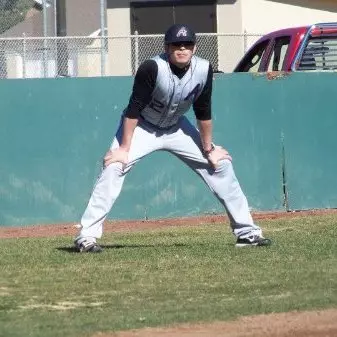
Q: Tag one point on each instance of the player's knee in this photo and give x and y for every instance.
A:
(115, 168)
(223, 166)
(224, 163)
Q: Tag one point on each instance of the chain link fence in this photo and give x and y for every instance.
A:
(29, 57)
(52, 57)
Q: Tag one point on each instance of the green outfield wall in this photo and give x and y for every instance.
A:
(281, 133)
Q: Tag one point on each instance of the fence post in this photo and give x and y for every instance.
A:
(3, 61)
(54, 54)
(62, 54)
(102, 37)
(24, 56)
(245, 41)
(136, 50)
(44, 38)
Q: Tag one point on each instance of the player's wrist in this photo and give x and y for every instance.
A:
(125, 148)
(209, 150)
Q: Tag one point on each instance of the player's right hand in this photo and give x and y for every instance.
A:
(115, 156)
(219, 153)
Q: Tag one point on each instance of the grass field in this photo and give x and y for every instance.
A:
(162, 277)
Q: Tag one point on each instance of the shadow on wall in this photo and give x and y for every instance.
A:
(226, 2)
(126, 4)
(117, 4)
(325, 5)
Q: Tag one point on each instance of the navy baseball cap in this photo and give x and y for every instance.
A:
(179, 33)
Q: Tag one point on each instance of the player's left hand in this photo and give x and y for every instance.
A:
(115, 156)
(219, 153)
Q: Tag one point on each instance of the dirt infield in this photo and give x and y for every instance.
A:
(292, 324)
(47, 230)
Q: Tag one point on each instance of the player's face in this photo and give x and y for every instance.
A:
(180, 53)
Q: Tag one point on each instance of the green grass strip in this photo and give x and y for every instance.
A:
(164, 277)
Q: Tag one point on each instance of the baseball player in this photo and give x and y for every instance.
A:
(164, 89)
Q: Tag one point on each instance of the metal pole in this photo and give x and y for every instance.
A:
(55, 34)
(45, 35)
(102, 37)
(55, 18)
(62, 44)
(136, 50)
(245, 42)
(24, 56)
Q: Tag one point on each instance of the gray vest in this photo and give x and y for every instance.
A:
(172, 97)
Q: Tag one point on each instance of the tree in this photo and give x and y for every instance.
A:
(12, 12)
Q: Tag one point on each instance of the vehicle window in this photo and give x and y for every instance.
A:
(279, 52)
(320, 53)
(252, 60)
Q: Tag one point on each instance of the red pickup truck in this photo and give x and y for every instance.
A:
(293, 49)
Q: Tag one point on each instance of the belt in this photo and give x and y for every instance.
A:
(156, 126)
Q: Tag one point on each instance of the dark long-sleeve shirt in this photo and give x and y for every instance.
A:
(144, 84)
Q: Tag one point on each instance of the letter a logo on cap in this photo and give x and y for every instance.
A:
(182, 32)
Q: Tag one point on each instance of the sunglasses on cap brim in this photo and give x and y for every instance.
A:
(183, 43)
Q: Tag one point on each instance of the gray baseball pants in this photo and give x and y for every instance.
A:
(182, 140)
